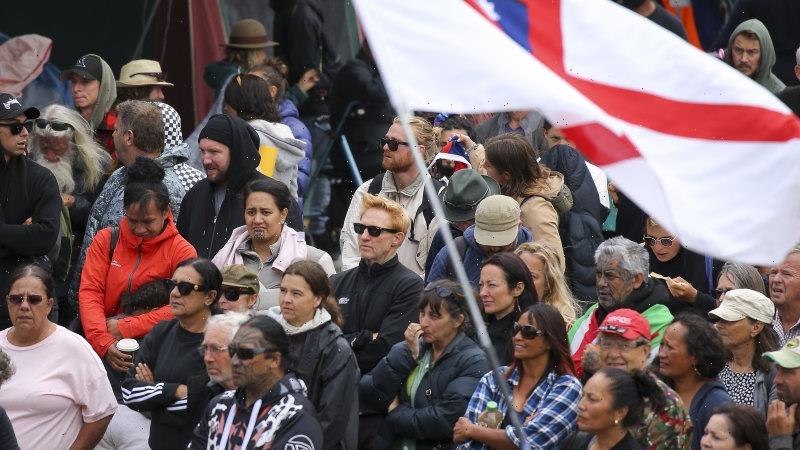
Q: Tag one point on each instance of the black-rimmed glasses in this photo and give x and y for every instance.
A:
(373, 230)
(184, 287)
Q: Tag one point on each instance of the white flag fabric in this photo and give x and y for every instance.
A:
(703, 149)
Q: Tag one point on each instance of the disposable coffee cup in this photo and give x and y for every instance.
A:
(128, 346)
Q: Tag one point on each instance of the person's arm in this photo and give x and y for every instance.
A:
(139, 325)
(384, 382)
(90, 434)
(347, 238)
(92, 293)
(8, 440)
(39, 237)
(485, 392)
(147, 395)
(436, 421)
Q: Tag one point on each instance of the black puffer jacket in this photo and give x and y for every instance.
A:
(441, 398)
(580, 227)
(198, 222)
(382, 299)
(329, 369)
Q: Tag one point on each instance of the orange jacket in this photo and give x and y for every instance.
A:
(136, 261)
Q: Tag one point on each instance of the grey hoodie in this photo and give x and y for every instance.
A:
(763, 75)
(290, 151)
(106, 96)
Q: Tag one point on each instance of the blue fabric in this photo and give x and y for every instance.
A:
(473, 258)
(291, 118)
(549, 414)
(707, 399)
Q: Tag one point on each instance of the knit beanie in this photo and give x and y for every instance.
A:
(218, 128)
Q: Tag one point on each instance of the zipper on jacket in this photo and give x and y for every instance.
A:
(136, 266)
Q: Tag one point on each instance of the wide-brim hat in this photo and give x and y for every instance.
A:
(464, 192)
(142, 72)
(249, 33)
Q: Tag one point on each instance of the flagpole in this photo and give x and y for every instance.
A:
(461, 274)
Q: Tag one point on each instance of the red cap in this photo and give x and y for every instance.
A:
(626, 323)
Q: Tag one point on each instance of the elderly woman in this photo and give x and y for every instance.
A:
(265, 243)
(60, 397)
(318, 353)
(547, 273)
(147, 240)
(744, 322)
(545, 393)
(735, 275)
(426, 382)
(63, 142)
(689, 359)
(169, 377)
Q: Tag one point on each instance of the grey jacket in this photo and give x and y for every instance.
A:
(785, 442)
(765, 391)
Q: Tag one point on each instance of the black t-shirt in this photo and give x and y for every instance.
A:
(666, 20)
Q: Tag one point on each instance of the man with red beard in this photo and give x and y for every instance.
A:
(62, 141)
(29, 202)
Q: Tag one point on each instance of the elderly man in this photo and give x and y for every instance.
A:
(402, 183)
(622, 282)
(782, 422)
(624, 342)
(220, 330)
(784, 291)
(63, 142)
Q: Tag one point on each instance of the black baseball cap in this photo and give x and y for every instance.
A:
(10, 108)
(88, 67)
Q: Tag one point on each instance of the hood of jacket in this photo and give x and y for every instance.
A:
(107, 95)
(128, 239)
(321, 317)
(172, 156)
(290, 150)
(287, 109)
(173, 133)
(763, 75)
(244, 157)
(549, 188)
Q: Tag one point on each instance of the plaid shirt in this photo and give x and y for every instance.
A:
(784, 336)
(549, 414)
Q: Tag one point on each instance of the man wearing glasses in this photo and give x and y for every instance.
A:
(624, 342)
(622, 282)
(30, 204)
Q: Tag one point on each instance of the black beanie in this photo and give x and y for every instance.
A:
(218, 128)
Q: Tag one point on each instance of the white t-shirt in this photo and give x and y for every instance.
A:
(59, 383)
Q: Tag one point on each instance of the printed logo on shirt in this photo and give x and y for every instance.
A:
(344, 301)
(115, 263)
(299, 442)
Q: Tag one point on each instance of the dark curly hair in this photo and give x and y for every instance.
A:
(144, 183)
(704, 344)
(151, 295)
(249, 96)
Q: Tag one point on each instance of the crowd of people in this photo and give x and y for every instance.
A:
(167, 293)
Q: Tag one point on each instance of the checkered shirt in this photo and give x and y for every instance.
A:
(549, 414)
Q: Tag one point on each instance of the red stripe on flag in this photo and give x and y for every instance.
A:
(600, 144)
(679, 118)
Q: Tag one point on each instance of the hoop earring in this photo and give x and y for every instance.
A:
(697, 372)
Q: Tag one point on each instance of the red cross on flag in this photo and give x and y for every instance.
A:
(706, 151)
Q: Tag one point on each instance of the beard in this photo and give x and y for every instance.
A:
(61, 170)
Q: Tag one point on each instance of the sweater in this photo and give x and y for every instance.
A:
(171, 353)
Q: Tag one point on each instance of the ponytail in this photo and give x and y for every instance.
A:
(631, 390)
(330, 305)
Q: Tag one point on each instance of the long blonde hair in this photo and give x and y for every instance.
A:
(557, 293)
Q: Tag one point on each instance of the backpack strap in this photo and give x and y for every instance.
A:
(374, 187)
(113, 244)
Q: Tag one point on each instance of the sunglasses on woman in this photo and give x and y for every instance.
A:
(245, 354)
(16, 127)
(373, 230)
(528, 331)
(184, 287)
(55, 126)
(393, 144)
(650, 241)
(441, 291)
(232, 294)
(17, 299)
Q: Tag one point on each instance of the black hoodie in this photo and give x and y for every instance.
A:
(199, 224)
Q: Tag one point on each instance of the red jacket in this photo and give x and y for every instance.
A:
(136, 261)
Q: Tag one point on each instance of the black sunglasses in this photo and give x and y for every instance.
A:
(16, 127)
(650, 241)
(393, 144)
(232, 294)
(55, 126)
(373, 230)
(528, 331)
(245, 354)
(16, 299)
(441, 291)
(184, 287)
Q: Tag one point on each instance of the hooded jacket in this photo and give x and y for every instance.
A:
(710, 396)
(441, 398)
(323, 359)
(290, 151)
(135, 262)
(763, 75)
(27, 190)
(290, 117)
(282, 419)
(108, 208)
(173, 137)
(208, 230)
(538, 213)
(103, 116)
(580, 228)
(472, 258)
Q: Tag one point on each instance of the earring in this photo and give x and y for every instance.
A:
(697, 372)
(616, 421)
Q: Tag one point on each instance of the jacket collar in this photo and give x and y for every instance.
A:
(376, 269)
